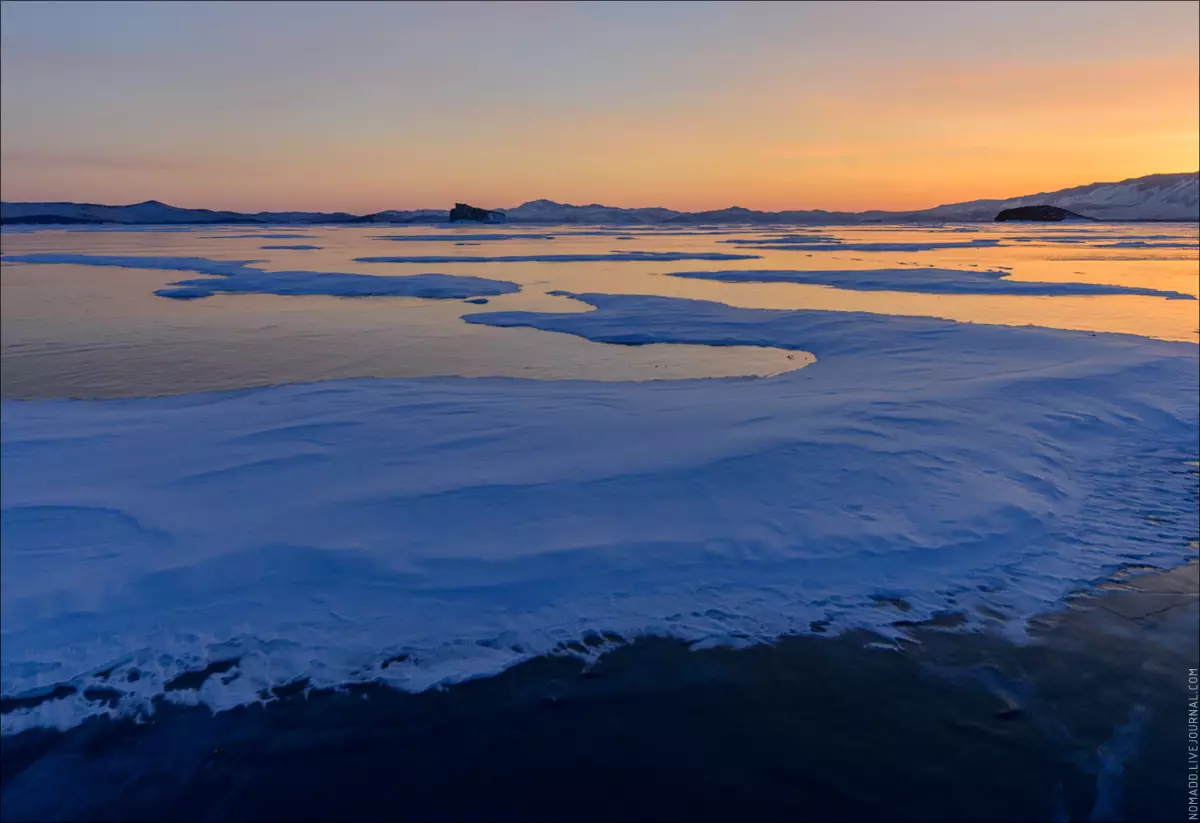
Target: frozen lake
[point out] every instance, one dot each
(951, 425)
(80, 331)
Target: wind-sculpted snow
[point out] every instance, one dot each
(237, 276)
(615, 256)
(927, 281)
(1140, 244)
(786, 237)
(336, 284)
(260, 237)
(210, 547)
(134, 229)
(448, 237)
(1090, 237)
(804, 244)
(567, 233)
(202, 265)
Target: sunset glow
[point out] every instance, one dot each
(362, 107)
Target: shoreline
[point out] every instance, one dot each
(1080, 722)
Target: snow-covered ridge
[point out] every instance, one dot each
(1171, 197)
(926, 280)
(1156, 197)
(424, 531)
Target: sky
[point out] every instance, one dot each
(364, 106)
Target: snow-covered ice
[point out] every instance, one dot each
(238, 276)
(290, 236)
(615, 256)
(800, 244)
(443, 238)
(201, 265)
(124, 229)
(429, 530)
(926, 280)
(339, 284)
(1141, 244)
(1088, 237)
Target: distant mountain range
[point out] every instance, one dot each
(1158, 197)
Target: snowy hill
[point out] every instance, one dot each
(1155, 197)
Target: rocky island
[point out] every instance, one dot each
(462, 213)
(1041, 214)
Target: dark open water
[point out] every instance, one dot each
(1086, 722)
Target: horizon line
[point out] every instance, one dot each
(153, 201)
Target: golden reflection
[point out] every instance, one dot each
(105, 327)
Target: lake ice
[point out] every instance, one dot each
(402, 497)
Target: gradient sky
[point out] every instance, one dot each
(366, 106)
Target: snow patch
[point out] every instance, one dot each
(1141, 244)
(237, 276)
(214, 547)
(442, 238)
(615, 256)
(260, 237)
(202, 265)
(804, 245)
(925, 280)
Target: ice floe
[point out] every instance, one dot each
(924, 280)
(807, 245)
(614, 256)
(238, 276)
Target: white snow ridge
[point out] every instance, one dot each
(425, 531)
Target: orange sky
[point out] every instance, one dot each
(691, 106)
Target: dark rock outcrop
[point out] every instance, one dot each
(1041, 214)
(462, 213)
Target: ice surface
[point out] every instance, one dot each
(335, 284)
(292, 236)
(1140, 244)
(134, 229)
(615, 256)
(1088, 237)
(238, 276)
(926, 280)
(443, 238)
(787, 238)
(202, 265)
(425, 531)
(802, 244)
